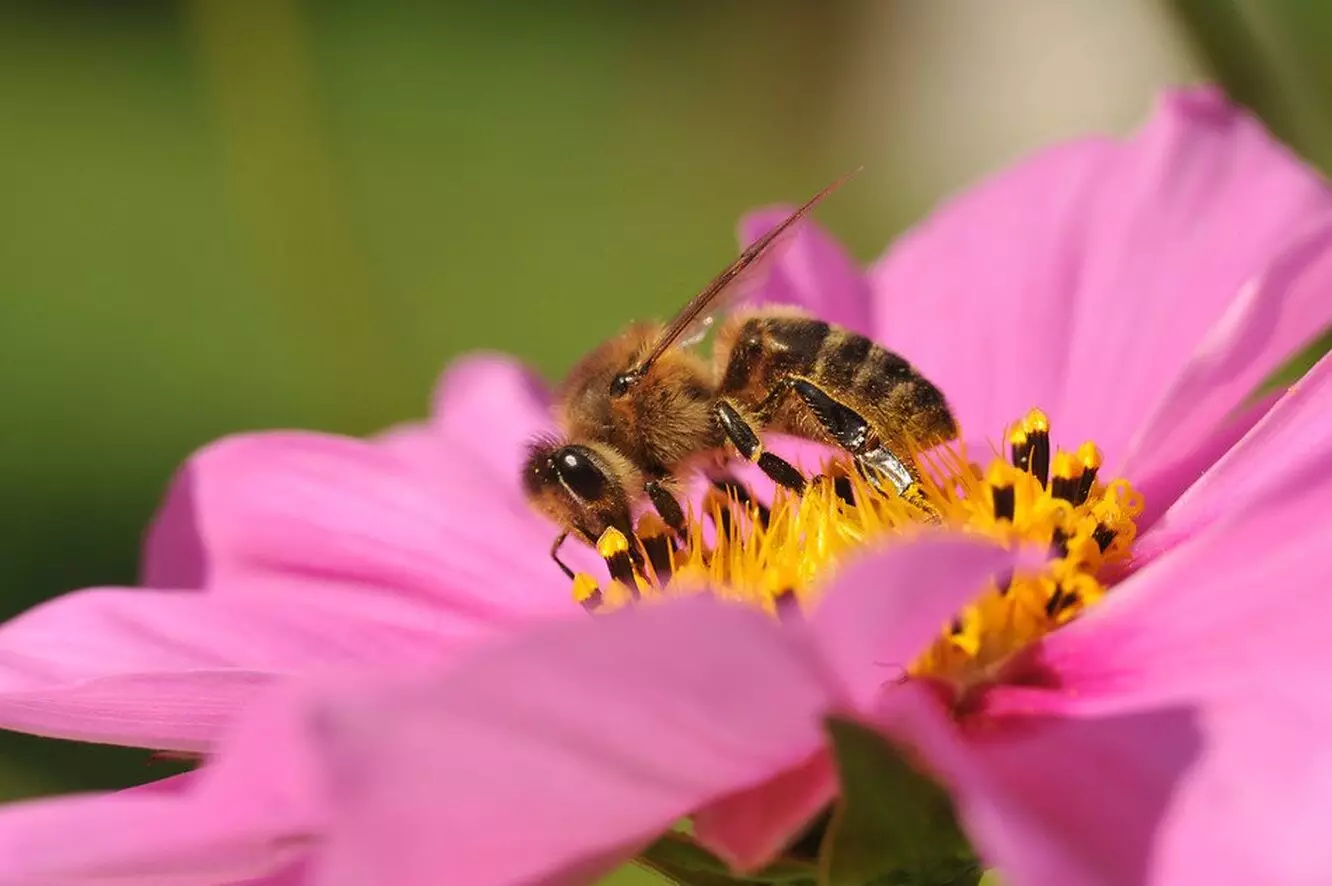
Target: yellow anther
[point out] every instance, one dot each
(1065, 468)
(1090, 456)
(586, 591)
(612, 542)
(999, 474)
(584, 587)
(1036, 422)
(1017, 436)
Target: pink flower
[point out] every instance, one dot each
(1137, 291)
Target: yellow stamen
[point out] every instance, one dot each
(783, 563)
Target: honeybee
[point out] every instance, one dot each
(645, 408)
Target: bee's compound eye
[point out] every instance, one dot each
(583, 478)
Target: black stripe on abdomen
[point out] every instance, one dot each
(882, 374)
(793, 344)
(842, 360)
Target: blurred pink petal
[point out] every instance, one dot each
(600, 714)
(1051, 798)
(876, 623)
(168, 669)
(252, 815)
(490, 407)
(170, 833)
(812, 271)
(303, 506)
(750, 827)
(868, 630)
(1105, 282)
(603, 715)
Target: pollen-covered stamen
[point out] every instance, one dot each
(780, 558)
(1089, 457)
(586, 592)
(1035, 449)
(1003, 495)
(658, 544)
(614, 549)
(1066, 478)
(1019, 448)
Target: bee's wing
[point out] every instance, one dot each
(740, 277)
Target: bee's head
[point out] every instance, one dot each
(584, 488)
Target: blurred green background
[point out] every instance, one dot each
(230, 214)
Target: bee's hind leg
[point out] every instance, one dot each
(850, 430)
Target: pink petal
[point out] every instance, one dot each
(1164, 483)
(1274, 316)
(580, 741)
(170, 669)
(1044, 276)
(167, 833)
(870, 627)
(567, 745)
(980, 296)
(279, 510)
(1285, 452)
(811, 271)
(1053, 799)
(498, 396)
(1183, 734)
(754, 825)
(887, 609)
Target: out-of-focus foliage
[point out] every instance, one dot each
(220, 215)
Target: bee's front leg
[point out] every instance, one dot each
(666, 504)
(555, 554)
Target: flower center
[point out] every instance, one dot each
(780, 557)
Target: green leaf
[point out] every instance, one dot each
(892, 824)
(678, 857)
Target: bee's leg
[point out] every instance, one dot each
(747, 442)
(555, 555)
(666, 505)
(850, 430)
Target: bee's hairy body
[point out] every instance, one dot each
(673, 421)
